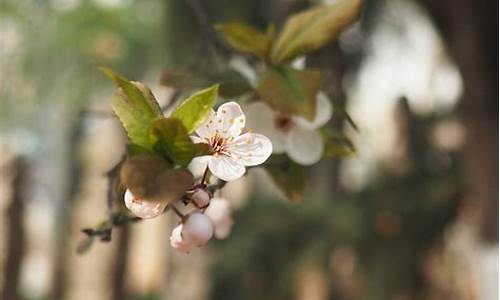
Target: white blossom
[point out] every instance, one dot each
(144, 209)
(232, 149)
(292, 134)
(221, 214)
(177, 242)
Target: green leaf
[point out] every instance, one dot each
(183, 79)
(314, 28)
(172, 139)
(195, 109)
(232, 83)
(337, 144)
(288, 176)
(133, 149)
(151, 178)
(289, 90)
(136, 107)
(246, 38)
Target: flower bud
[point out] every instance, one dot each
(197, 229)
(201, 198)
(177, 242)
(143, 209)
(220, 212)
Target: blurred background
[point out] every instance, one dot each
(414, 215)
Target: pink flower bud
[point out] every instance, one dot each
(220, 212)
(198, 229)
(143, 209)
(177, 242)
(201, 198)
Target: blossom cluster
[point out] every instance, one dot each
(232, 150)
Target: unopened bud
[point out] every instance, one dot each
(143, 209)
(201, 198)
(197, 229)
(221, 214)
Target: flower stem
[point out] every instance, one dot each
(177, 212)
(206, 177)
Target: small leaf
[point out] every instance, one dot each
(344, 114)
(182, 79)
(288, 176)
(246, 38)
(133, 149)
(314, 28)
(195, 109)
(232, 83)
(290, 91)
(150, 178)
(201, 149)
(173, 140)
(136, 107)
(337, 144)
(85, 245)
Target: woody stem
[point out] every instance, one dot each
(206, 174)
(177, 212)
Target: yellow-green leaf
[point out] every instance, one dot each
(337, 144)
(309, 30)
(136, 107)
(289, 90)
(150, 178)
(172, 139)
(246, 38)
(195, 109)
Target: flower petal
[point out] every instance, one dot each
(144, 209)
(198, 165)
(251, 149)
(177, 242)
(304, 146)
(220, 212)
(208, 128)
(225, 168)
(324, 111)
(261, 119)
(231, 119)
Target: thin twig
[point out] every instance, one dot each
(177, 212)
(206, 176)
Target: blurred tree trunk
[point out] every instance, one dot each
(62, 249)
(15, 240)
(120, 265)
(469, 29)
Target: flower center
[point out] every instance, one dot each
(219, 144)
(283, 122)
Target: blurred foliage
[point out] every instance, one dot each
(390, 226)
(63, 47)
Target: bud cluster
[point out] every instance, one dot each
(211, 216)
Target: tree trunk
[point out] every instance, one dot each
(469, 29)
